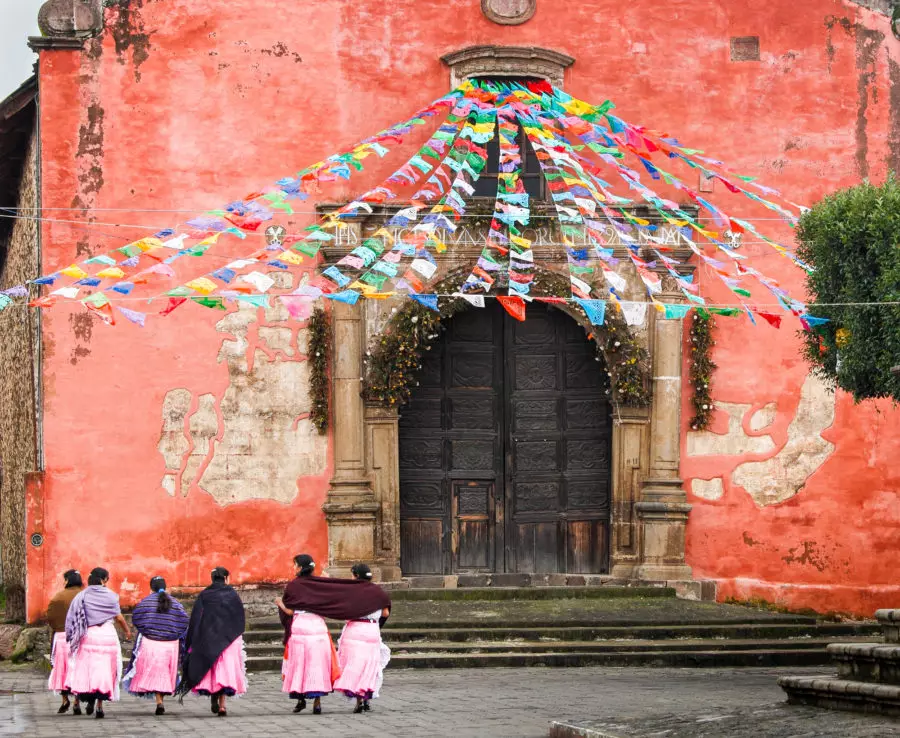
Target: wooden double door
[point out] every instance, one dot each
(505, 449)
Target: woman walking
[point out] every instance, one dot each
(161, 623)
(60, 656)
(214, 660)
(94, 643)
(361, 653)
(306, 669)
(309, 651)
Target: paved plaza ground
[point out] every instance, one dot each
(627, 702)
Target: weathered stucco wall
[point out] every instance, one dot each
(177, 447)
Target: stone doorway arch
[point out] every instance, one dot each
(648, 510)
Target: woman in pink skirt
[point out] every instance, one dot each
(361, 653)
(309, 652)
(214, 663)
(161, 623)
(311, 666)
(60, 656)
(94, 642)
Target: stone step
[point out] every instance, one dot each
(673, 658)
(490, 647)
(528, 593)
(472, 632)
(867, 662)
(842, 694)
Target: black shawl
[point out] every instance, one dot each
(338, 599)
(217, 619)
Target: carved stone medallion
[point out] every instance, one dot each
(509, 12)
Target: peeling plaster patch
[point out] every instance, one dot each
(281, 49)
(893, 158)
(256, 441)
(203, 426)
(763, 418)
(128, 32)
(734, 442)
(810, 554)
(277, 339)
(172, 442)
(168, 484)
(782, 476)
(82, 329)
(868, 41)
(748, 540)
(707, 489)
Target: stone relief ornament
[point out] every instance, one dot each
(509, 12)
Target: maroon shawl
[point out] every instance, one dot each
(338, 599)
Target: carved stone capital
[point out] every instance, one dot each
(507, 61)
(65, 24)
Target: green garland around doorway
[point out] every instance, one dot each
(394, 361)
(319, 351)
(702, 369)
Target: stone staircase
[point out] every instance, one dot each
(868, 675)
(581, 626)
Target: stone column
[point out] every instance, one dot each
(350, 508)
(663, 508)
(382, 452)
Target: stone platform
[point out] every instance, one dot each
(868, 675)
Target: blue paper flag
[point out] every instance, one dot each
(594, 309)
(123, 288)
(429, 301)
(348, 296)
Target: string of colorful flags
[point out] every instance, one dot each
(592, 164)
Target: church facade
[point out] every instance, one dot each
(190, 442)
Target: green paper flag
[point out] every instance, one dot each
(216, 303)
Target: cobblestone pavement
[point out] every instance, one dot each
(460, 703)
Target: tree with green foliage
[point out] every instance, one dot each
(852, 241)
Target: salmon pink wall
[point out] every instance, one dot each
(188, 104)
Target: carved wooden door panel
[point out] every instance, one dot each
(504, 450)
(450, 452)
(557, 447)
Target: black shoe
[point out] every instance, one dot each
(63, 708)
(223, 713)
(99, 714)
(358, 709)
(160, 710)
(366, 707)
(89, 710)
(317, 710)
(300, 706)
(214, 703)
(76, 710)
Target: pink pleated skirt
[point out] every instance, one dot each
(361, 656)
(228, 674)
(61, 658)
(306, 671)
(97, 666)
(155, 668)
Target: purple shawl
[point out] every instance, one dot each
(94, 605)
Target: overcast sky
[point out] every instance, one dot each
(18, 21)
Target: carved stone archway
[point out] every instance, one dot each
(507, 61)
(648, 503)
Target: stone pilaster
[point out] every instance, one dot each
(663, 508)
(631, 429)
(350, 508)
(382, 460)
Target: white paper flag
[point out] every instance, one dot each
(476, 300)
(425, 268)
(635, 312)
(262, 282)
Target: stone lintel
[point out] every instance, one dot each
(51, 43)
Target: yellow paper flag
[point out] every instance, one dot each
(290, 257)
(74, 271)
(111, 273)
(202, 285)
